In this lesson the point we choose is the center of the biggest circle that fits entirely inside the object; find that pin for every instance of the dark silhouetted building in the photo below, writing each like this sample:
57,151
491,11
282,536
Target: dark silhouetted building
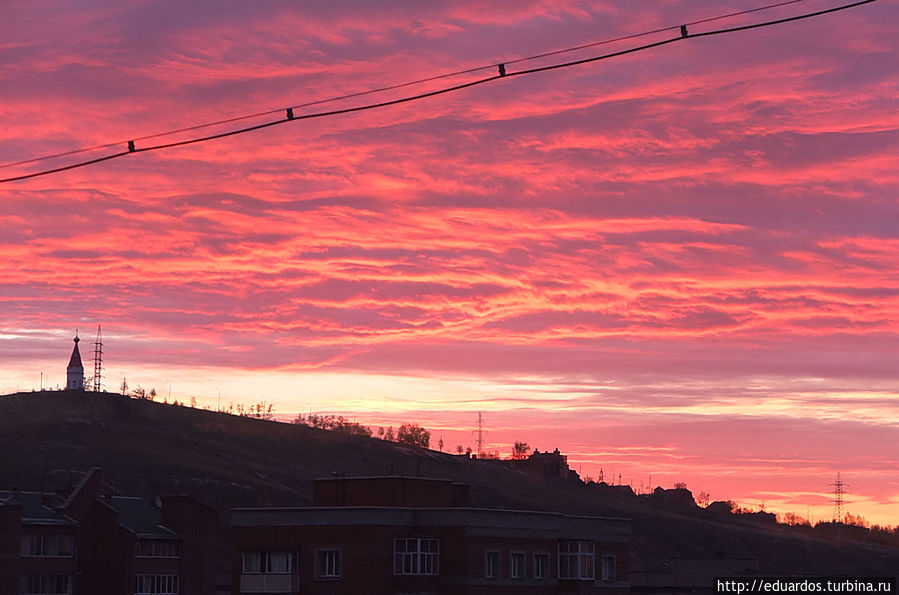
401,535
87,542
547,464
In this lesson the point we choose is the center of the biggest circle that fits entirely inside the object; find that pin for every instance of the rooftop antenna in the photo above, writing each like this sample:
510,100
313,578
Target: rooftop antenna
98,362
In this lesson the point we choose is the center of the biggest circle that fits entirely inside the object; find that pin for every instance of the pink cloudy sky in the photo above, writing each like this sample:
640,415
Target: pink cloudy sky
681,263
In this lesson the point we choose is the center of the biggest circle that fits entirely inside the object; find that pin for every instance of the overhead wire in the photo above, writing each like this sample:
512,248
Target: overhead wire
399,85
685,35
502,73
654,31
255,115
389,87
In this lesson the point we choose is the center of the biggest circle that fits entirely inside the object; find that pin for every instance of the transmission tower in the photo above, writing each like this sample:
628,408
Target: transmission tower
98,362
480,434
838,500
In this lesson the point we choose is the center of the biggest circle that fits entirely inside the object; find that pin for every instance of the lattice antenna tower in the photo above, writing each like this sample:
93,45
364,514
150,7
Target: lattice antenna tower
480,434
839,489
98,362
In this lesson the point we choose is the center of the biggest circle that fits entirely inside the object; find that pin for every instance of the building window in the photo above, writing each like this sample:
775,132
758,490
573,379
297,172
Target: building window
541,565
270,562
156,584
608,568
327,564
47,584
157,548
416,555
55,545
491,564
576,560
516,565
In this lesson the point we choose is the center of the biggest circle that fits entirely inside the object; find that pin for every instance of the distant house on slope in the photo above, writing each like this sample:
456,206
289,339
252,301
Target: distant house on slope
545,464
548,464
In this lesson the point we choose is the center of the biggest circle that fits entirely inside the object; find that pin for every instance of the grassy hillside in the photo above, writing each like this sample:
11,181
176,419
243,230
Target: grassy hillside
145,448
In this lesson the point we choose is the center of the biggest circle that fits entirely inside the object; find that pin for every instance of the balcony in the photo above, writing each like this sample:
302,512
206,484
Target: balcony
269,583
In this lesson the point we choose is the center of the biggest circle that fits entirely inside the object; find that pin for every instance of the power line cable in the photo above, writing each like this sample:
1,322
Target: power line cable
686,35
654,31
398,86
290,116
254,115
393,87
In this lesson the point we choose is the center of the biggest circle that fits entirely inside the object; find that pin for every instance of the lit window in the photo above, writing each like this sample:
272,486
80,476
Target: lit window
491,564
46,584
541,565
270,562
327,563
56,545
156,584
576,560
608,568
416,555
516,565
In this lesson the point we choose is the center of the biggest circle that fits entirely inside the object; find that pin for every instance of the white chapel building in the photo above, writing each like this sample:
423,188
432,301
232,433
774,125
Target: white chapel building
75,370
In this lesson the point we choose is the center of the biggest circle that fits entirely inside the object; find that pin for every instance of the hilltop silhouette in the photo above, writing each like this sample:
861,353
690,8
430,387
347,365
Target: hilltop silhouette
49,439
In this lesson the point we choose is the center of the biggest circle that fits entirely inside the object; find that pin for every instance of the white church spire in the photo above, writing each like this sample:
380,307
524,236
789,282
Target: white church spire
75,371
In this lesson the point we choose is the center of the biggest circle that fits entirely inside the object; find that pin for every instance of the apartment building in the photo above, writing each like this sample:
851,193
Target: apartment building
85,541
401,535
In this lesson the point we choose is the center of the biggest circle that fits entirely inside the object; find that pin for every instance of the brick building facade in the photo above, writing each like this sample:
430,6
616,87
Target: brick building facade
397,535
86,542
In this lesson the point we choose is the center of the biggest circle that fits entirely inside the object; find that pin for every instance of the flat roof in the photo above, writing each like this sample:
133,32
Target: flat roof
477,521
